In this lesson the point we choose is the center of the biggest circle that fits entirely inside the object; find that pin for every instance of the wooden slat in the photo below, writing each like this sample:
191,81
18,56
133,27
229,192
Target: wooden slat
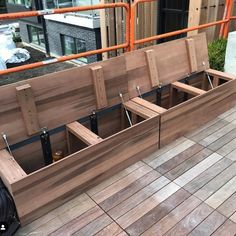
152,67
220,74
194,15
10,171
139,110
149,105
187,88
99,87
52,186
82,133
197,111
28,108
190,43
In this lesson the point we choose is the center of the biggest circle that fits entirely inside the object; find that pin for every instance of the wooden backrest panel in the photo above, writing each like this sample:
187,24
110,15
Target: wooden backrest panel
172,63
61,97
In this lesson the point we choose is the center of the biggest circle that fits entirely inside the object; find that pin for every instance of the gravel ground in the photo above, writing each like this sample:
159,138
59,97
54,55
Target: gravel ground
36,56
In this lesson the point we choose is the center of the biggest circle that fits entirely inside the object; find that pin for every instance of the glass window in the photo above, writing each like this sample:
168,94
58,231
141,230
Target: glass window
20,2
36,35
71,45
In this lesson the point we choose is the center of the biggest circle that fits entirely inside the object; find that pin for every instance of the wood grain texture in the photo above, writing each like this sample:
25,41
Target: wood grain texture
157,213
139,110
99,86
152,68
192,220
28,108
228,228
209,225
61,97
187,88
10,171
149,105
44,190
191,49
192,114
216,183
138,197
83,133
175,216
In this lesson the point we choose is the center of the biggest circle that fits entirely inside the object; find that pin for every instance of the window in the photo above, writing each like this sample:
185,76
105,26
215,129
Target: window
71,45
50,4
36,35
19,2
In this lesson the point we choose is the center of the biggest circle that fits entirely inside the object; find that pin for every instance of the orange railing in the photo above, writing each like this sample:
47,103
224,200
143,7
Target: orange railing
73,56
130,40
223,33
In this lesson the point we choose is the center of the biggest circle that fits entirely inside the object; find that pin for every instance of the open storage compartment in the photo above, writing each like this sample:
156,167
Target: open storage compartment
84,112
104,117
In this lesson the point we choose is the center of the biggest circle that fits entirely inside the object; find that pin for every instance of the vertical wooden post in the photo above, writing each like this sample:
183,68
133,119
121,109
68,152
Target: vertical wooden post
28,108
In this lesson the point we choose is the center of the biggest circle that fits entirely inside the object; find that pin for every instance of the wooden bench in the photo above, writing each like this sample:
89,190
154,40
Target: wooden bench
10,170
82,133
149,105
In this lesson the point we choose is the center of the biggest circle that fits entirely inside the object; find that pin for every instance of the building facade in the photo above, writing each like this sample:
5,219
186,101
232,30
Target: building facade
60,34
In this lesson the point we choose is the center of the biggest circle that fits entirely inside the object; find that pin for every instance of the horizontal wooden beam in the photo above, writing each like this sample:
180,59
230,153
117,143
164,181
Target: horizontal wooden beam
149,105
82,133
187,88
220,74
10,170
140,110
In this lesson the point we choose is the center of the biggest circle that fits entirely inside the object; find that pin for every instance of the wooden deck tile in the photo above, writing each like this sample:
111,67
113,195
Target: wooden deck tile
228,207
228,228
222,194
114,178
122,183
59,216
209,225
178,159
94,227
216,135
216,183
221,142
227,113
138,197
192,220
228,148
231,117
232,155
164,150
208,130
171,153
129,190
188,164
197,170
111,229
79,222
157,213
207,175
175,216
147,205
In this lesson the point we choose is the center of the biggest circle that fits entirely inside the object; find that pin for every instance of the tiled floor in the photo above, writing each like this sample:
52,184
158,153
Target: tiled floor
186,188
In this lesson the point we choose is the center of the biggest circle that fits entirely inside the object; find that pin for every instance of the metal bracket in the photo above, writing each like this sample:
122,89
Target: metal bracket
158,95
4,136
94,122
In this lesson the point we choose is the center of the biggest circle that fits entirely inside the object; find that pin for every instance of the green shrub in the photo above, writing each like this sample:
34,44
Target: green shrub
216,51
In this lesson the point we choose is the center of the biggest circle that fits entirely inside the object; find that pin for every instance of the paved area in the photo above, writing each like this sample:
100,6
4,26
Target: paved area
186,188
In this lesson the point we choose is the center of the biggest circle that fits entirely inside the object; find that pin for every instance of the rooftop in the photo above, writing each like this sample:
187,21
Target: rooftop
187,187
